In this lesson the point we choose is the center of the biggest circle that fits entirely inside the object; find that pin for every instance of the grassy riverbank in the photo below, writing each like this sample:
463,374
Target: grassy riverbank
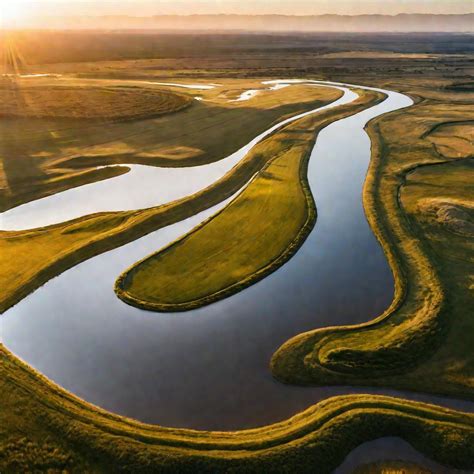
42,427
420,204
240,245
33,257
56,153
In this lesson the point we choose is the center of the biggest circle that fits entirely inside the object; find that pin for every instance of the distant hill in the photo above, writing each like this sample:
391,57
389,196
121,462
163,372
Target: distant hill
270,23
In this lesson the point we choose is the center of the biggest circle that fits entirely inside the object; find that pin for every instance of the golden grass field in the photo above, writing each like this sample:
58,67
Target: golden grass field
45,156
101,103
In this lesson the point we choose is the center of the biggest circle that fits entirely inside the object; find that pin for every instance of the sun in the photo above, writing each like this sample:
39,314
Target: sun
12,14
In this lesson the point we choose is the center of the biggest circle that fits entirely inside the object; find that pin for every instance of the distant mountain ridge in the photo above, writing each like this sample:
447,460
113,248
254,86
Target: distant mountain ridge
272,23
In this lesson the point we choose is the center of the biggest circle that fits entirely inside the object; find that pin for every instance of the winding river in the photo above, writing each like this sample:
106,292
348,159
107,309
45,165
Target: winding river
208,368
140,184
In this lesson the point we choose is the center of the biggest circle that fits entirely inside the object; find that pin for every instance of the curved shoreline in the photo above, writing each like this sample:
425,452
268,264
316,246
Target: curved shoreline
293,245
328,356
318,438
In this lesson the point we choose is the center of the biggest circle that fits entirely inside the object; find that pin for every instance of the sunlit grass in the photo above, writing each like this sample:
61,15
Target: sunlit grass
241,244
44,427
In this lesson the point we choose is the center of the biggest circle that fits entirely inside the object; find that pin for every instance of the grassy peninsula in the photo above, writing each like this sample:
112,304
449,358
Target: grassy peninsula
240,245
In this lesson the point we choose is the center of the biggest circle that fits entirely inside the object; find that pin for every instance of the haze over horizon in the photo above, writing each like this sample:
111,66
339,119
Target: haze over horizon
50,13
23,10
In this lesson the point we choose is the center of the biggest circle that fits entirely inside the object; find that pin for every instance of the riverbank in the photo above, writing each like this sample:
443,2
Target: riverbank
239,246
55,430
413,344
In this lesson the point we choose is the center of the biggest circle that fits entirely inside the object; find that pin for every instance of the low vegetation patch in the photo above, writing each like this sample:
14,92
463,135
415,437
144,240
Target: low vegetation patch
392,467
455,216
104,103
454,140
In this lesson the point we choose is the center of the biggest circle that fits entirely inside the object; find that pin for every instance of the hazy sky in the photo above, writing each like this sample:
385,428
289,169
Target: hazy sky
299,7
